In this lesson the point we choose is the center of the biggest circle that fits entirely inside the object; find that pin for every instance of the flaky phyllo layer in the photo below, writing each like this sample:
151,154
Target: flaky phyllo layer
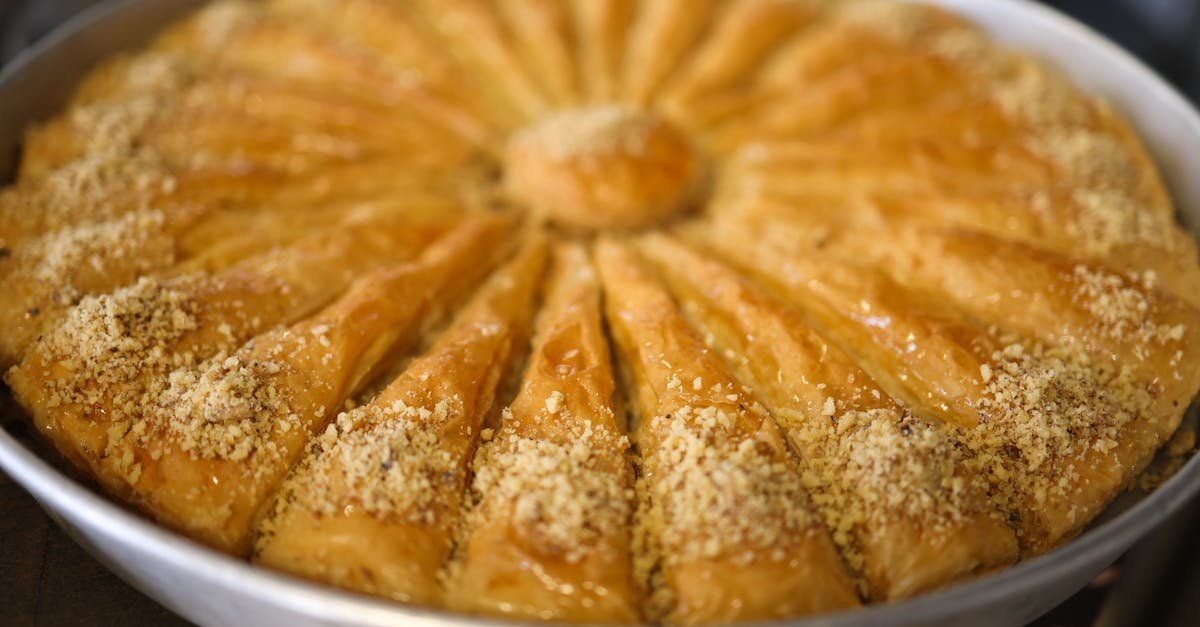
598,310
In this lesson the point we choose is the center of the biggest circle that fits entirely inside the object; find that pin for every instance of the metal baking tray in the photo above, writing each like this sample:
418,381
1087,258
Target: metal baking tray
210,588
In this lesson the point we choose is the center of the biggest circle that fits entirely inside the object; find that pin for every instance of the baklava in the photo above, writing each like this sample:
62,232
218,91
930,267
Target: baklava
626,311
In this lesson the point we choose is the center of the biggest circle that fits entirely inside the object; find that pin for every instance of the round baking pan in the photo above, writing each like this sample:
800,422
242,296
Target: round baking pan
210,588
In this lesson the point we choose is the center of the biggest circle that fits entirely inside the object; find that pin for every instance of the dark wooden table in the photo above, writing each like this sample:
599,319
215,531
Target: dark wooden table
47,579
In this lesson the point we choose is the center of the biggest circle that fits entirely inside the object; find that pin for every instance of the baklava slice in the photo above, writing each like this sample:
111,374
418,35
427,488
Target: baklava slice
373,503
896,492
152,390
1051,427
548,530
725,528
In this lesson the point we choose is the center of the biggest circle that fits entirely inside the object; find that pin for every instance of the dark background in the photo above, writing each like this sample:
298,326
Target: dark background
46,579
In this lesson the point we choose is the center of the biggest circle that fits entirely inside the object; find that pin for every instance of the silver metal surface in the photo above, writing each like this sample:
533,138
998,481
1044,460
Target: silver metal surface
213,589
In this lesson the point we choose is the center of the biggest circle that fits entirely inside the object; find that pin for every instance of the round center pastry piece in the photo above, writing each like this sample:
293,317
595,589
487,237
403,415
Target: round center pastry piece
607,167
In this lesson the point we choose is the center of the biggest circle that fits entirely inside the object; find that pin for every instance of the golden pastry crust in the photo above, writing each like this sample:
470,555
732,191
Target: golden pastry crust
747,34
890,306
880,477
603,168
1057,427
547,535
373,504
46,275
659,38
542,29
725,529
482,45
118,391
600,29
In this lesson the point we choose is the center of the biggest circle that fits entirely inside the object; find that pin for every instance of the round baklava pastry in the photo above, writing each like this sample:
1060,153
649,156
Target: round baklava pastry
666,311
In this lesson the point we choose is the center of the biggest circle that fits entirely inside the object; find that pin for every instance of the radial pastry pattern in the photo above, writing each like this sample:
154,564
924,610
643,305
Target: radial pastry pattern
598,310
